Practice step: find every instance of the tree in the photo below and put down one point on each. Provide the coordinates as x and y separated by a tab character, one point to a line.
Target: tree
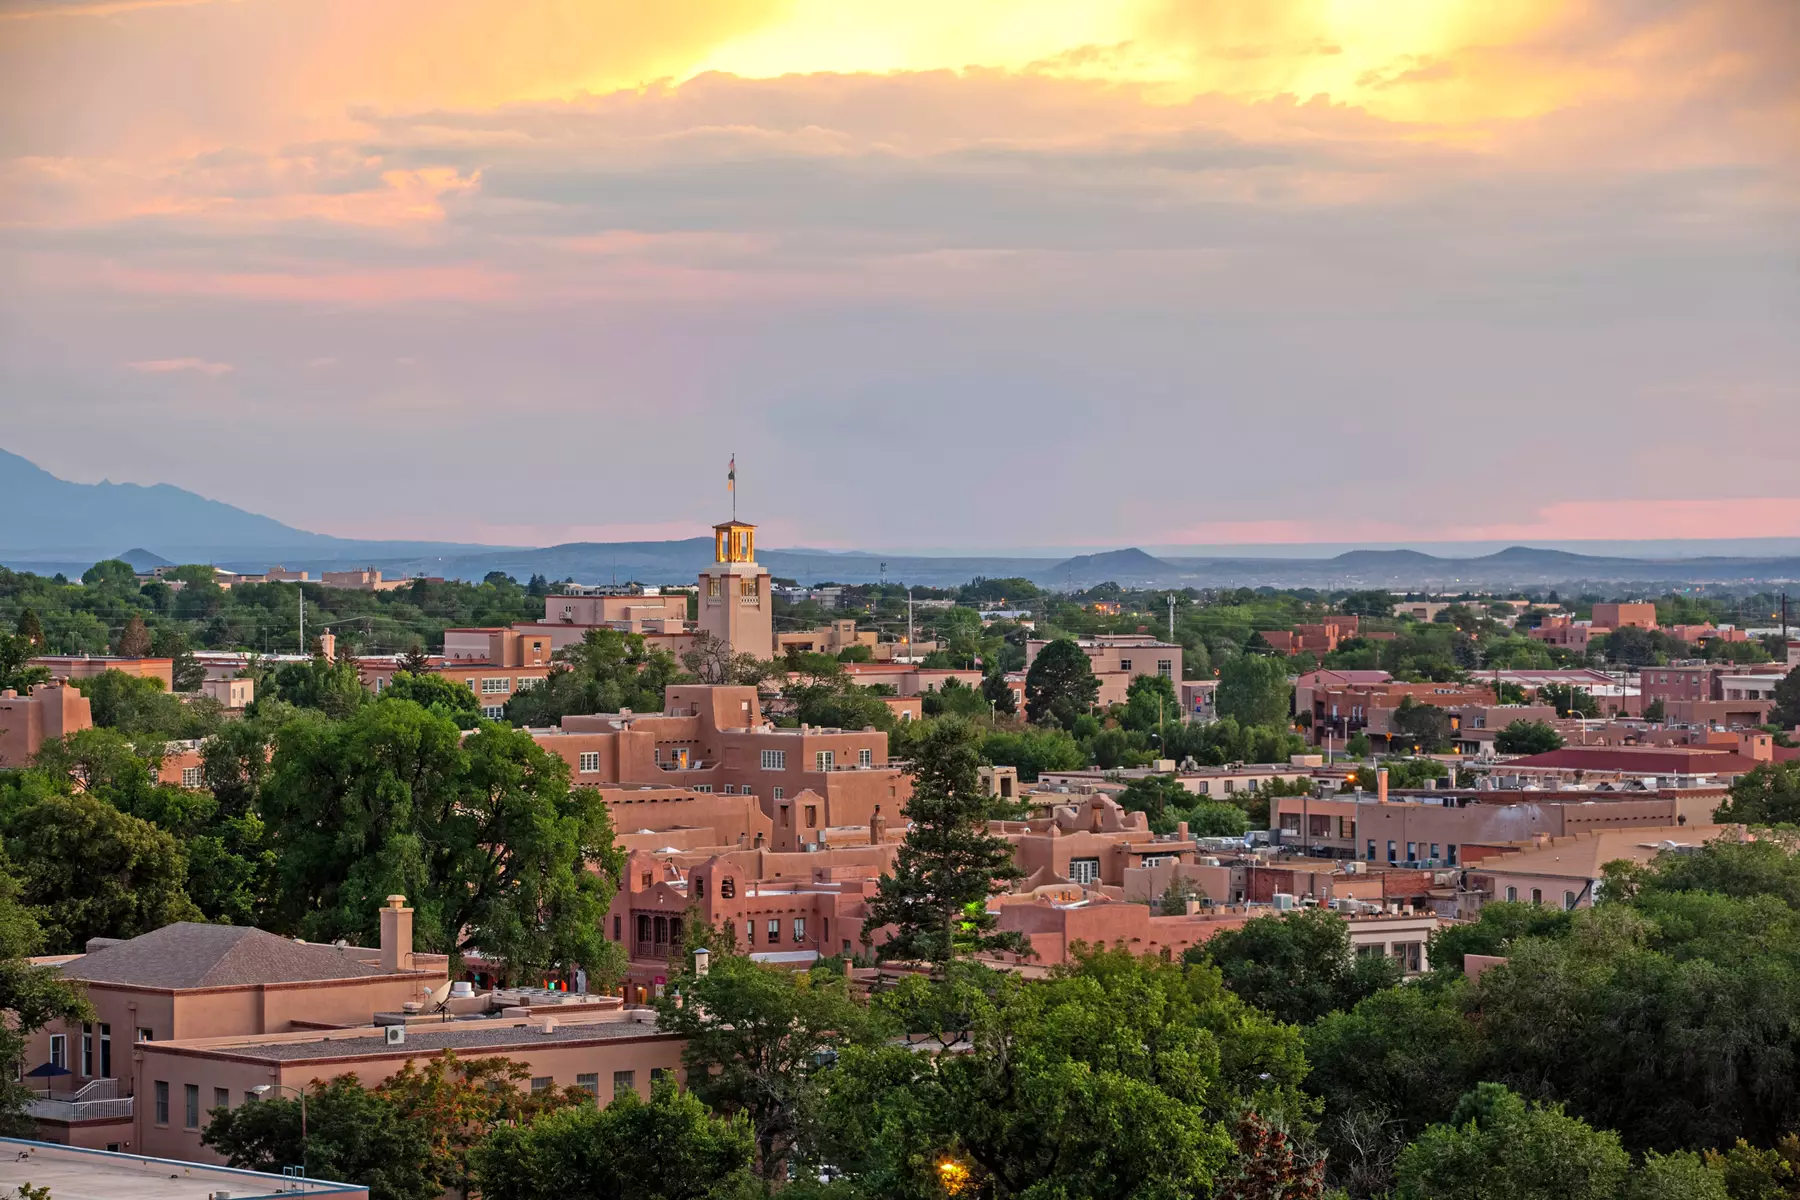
1569	700
89	870
16	670
138	707
710	660
1498	1148
185	672
1357	746
1528	737
134	639
1113	1077
352	1134
437	694
1786	711
604	672
113	574
1298	966
1425	726
1369	604
483	833
999	695
1501	923
1060	685
671	1148
1155	795
1255	690
333	686
1033	750
1151	705
1268	1167
29	627
414	660
935	901
31	996
1768	795
755	1035
459	1102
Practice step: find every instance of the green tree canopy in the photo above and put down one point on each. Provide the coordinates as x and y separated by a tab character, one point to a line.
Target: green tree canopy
1255	690
31	996
1496	1147
352	1134
605	672
17	673
483	835
438	694
1298	965
1060	684
1528	737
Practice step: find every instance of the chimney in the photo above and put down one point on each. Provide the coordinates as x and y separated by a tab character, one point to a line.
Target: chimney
328	645
396	935
877	827
1181	831
1381	776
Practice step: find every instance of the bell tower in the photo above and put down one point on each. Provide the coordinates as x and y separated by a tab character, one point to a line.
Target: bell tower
736	603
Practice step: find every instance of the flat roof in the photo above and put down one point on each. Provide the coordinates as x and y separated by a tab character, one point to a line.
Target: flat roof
72	1173
454	1035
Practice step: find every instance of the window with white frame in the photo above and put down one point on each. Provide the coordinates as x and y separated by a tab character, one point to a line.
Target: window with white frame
524	682
1165	667
780	793
590	762
704	788
493	712
1084	870
865	758
774	760
499	686
824	760
190	777
59	1050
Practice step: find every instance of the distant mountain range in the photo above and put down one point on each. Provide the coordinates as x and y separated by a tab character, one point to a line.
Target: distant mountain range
49	524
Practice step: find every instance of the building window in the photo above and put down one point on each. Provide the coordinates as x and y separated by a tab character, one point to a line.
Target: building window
728	888
105	1050
1165	667
1412	852
712	587
774	931
1371	849
774	760
590	762
749	933
618	928
624	1081
780	793
1452	857
703	788
190	777
1205	788
1434	852
190	1106
1084	870
542	1083
812	816
658	1074
145	1035
490	687
643	924
59	1050
865	758
162	1102
87	1051
589	1082
799	930
824	760
1512	893
221	1097
493	712
1124	664
1537	895
523	683
699	887
731	789
1569	901
1393	855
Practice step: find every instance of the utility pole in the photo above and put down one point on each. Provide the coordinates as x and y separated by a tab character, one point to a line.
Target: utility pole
1171	616
912	650
302	618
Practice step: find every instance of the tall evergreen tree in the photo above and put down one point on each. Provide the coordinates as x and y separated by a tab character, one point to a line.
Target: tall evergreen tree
1000	695
948	865
30	628
1060	684
134	639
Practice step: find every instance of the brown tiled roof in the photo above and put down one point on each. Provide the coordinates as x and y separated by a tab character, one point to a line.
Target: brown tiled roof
192	955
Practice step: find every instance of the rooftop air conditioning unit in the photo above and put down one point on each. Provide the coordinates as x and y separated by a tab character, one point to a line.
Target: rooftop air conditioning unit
396	1035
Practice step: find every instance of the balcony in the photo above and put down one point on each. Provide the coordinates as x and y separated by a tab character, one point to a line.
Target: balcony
98	1101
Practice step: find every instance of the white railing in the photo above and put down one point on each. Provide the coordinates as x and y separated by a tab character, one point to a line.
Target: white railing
80	1110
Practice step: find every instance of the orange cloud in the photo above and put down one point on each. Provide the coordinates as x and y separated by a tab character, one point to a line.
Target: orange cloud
166	366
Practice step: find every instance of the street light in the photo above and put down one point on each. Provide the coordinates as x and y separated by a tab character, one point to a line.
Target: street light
264	1089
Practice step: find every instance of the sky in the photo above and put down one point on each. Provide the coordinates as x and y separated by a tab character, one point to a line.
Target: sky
1010	273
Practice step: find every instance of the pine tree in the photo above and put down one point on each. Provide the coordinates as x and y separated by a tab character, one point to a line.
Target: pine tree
1000	694
134	641
30	628
948	865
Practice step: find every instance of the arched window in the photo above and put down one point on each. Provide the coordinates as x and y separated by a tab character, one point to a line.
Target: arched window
1512	893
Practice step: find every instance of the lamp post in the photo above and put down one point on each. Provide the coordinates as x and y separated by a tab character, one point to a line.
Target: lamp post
262	1090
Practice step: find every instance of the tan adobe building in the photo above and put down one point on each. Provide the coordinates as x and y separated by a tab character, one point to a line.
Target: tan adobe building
1566	871
713	739
48	711
192	980
84	666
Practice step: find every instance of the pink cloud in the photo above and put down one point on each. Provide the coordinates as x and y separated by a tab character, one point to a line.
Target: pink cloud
169	366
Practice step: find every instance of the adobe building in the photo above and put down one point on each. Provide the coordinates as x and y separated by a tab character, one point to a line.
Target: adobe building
46	712
713	739
191	980
1566	871
86	666
1621	616
737	604
564	1042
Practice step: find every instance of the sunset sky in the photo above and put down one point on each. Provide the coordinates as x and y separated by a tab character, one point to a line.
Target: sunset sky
999	273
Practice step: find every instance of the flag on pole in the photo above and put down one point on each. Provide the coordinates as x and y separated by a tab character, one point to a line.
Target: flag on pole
731	475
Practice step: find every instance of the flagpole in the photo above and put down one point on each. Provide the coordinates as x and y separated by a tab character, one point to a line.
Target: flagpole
734	487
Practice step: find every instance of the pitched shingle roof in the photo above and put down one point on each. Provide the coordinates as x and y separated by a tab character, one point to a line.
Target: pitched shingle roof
192	955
